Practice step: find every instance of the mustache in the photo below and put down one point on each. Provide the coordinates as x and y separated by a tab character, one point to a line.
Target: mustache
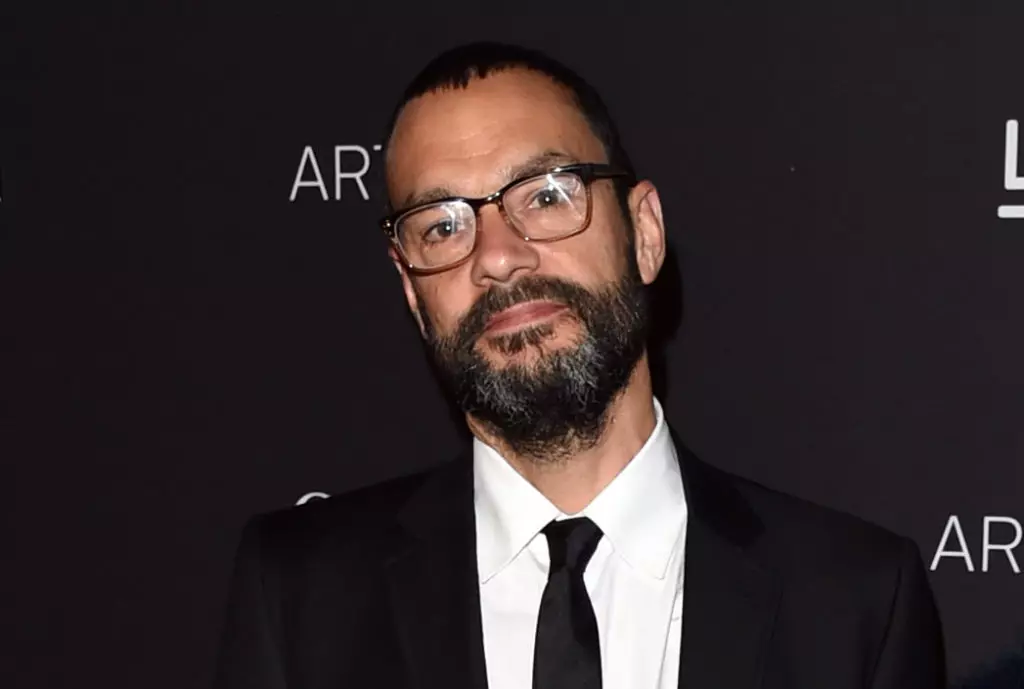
532	288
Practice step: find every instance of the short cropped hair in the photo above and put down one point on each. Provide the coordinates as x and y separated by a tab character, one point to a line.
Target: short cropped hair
455	68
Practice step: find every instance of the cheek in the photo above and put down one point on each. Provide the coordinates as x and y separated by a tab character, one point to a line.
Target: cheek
443	300
592	258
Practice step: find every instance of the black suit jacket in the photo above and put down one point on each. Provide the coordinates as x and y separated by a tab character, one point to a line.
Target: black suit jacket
378	588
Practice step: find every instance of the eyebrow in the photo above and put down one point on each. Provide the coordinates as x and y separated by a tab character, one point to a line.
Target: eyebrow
534	165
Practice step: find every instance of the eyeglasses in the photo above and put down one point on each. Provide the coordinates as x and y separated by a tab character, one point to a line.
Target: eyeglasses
542	208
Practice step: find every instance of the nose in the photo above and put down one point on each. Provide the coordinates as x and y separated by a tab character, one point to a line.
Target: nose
501	253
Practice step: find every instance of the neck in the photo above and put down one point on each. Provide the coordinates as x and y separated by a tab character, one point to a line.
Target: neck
572	484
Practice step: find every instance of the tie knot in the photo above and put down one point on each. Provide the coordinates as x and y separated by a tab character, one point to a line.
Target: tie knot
571	543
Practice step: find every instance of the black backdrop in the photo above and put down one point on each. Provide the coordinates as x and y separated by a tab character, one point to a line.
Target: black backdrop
189	337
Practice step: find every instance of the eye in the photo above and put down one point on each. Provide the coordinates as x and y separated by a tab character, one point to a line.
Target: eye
440	231
551	195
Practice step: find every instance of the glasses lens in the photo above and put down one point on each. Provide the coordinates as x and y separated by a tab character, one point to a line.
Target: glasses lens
548	206
438	235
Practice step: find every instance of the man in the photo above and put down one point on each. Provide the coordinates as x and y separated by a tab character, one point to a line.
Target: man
578	544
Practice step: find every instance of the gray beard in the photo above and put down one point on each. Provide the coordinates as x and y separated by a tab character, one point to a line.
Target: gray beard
556	406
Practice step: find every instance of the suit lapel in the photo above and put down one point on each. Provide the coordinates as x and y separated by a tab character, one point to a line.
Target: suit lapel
434	585
729	601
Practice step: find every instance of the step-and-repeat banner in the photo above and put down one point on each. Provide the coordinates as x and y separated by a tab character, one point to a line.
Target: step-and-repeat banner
200	321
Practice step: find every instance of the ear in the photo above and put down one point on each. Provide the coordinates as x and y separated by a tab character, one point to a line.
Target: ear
411	298
648	230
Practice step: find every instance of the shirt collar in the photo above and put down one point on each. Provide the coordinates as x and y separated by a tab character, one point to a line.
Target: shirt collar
641	512
509	510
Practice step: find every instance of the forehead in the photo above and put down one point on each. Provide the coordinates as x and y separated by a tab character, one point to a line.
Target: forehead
469	140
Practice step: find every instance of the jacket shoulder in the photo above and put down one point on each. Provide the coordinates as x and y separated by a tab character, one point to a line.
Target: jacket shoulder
801	534
358	518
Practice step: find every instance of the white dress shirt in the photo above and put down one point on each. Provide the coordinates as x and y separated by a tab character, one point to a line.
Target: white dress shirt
635	577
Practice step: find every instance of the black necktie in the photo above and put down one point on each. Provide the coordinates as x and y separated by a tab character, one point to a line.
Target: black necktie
567	654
